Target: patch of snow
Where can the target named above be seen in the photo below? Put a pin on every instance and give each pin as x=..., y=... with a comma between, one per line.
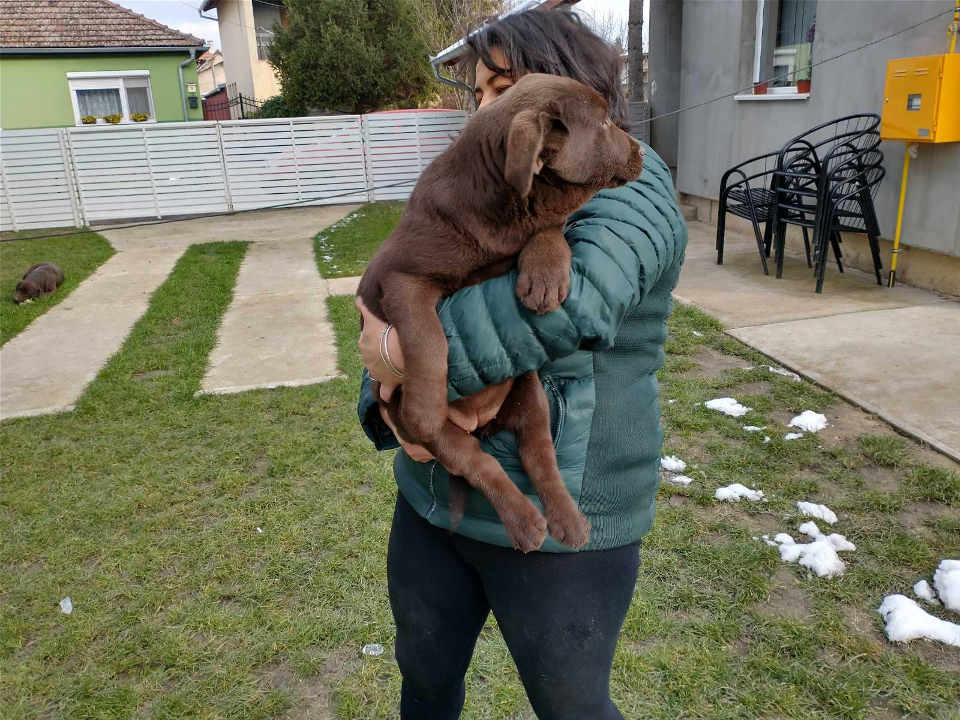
x=372, y=649
x=766, y=439
x=923, y=591
x=671, y=401
x=734, y=492
x=259, y=531
x=819, y=555
x=27, y=301
x=818, y=511
x=793, y=436
x=809, y=421
x=696, y=334
x=66, y=606
x=785, y=373
x=905, y=621
x=680, y=479
x=673, y=463
x=946, y=580
x=754, y=428
x=728, y=406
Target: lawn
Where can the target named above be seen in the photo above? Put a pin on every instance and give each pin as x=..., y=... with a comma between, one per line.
x=225, y=555
x=77, y=255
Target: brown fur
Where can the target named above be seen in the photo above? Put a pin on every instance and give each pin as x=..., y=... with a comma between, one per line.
x=39, y=280
x=499, y=195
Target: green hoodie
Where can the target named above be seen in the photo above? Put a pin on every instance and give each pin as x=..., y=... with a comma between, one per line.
x=597, y=357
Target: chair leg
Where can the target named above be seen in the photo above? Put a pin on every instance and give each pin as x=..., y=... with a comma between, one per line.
x=779, y=241
x=835, y=242
x=768, y=236
x=877, y=262
x=806, y=246
x=760, y=247
x=822, y=247
x=721, y=227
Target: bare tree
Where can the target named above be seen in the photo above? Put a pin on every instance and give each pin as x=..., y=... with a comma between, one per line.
x=609, y=25
x=442, y=23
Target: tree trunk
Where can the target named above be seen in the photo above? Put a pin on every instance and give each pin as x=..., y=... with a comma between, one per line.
x=635, y=50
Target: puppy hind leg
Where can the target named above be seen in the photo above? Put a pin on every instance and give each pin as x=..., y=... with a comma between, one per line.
x=527, y=413
x=460, y=453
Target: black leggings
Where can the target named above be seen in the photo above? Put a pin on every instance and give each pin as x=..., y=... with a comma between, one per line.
x=560, y=615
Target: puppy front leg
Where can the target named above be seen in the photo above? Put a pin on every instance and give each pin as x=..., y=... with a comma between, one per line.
x=410, y=304
x=544, y=265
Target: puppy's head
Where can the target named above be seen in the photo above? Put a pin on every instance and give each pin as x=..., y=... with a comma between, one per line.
x=25, y=290
x=560, y=126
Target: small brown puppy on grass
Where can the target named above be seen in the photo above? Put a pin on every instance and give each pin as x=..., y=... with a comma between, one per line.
x=39, y=280
x=498, y=196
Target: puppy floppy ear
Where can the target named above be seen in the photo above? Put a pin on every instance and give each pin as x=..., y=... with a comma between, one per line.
x=524, y=145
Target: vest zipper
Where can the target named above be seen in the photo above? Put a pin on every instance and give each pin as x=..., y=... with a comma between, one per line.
x=561, y=409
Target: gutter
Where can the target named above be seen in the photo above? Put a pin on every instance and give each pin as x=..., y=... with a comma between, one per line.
x=183, y=93
x=98, y=50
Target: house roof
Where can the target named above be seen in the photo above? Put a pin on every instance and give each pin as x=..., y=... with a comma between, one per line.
x=61, y=24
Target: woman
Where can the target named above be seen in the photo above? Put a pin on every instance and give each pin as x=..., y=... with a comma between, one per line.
x=560, y=612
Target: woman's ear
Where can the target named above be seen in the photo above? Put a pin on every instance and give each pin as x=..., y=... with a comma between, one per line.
x=524, y=145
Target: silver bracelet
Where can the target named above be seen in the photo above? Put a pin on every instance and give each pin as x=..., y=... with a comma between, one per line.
x=385, y=351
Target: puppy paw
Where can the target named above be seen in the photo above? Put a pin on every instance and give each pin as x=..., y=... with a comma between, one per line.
x=566, y=523
x=543, y=289
x=527, y=529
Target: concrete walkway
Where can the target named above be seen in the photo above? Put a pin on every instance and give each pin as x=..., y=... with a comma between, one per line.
x=274, y=333
x=46, y=367
x=891, y=351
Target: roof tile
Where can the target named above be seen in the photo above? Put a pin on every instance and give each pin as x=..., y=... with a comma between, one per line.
x=83, y=24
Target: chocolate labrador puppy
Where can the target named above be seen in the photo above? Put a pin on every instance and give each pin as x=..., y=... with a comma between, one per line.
x=39, y=280
x=498, y=196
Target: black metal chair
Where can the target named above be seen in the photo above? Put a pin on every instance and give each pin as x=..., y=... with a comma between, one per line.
x=821, y=180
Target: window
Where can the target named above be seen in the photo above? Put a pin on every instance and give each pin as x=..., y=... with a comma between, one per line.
x=103, y=94
x=264, y=38
x=784, y=45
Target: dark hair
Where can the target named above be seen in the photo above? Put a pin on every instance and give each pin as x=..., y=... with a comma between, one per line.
x=555, y=42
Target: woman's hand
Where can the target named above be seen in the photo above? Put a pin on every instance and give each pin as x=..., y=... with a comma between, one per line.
x=369, y=344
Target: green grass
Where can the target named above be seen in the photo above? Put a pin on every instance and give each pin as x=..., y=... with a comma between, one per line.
x=144, y=505
x=77, y=255
x=345, y=248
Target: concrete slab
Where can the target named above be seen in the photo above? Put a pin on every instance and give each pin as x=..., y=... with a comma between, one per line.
x=738, y=293
x=293, y=223
x=46, y=367
x=275, y=332
x=343, y=286
x=899, y=363
x=891, y=351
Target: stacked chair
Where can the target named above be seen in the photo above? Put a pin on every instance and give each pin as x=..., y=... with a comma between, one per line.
x=823, y=180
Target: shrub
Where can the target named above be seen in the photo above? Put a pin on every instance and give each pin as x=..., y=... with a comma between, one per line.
x=275, y=107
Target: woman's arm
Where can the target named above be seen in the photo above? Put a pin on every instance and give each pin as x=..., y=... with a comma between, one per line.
x=622, y=240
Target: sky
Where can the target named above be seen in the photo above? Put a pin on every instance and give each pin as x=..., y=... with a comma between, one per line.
x=182, y=15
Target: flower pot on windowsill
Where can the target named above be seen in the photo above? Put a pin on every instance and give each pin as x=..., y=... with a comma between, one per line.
x=113, y=119
x=89, y=119
x=760, y=88
x=139, y=117
x=803, y=86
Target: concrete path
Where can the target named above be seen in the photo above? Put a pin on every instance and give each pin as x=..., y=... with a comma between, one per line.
x=46, y=367
x=275, y=332
x=271, y=335
x=891, y=351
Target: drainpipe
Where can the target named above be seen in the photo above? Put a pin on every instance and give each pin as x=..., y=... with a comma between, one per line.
x=183, y=92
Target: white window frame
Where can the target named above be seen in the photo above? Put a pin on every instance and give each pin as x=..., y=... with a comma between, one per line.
x=112, y=80
x=787, y=55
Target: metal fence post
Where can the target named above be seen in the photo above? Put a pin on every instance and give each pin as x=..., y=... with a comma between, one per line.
x=153, y=182
x=66, y=152
x=5, y=192
x=227, y=195
x=296, y=160
x=367, y=161
x=76, y=177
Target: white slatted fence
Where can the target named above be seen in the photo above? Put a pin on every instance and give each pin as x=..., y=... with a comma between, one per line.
x=83, y=175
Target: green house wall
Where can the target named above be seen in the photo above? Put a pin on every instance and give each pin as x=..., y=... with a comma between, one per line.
x=34, y=92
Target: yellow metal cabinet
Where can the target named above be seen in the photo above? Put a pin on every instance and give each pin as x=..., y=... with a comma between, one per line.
x=921, y=99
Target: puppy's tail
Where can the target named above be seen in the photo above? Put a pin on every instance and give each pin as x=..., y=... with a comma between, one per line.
x=458, y=500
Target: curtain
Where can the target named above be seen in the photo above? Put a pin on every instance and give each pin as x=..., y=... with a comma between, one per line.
x=138, y=100
x=99, y=102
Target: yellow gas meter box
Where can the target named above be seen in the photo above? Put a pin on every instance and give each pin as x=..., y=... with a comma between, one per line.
x=921, y=99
